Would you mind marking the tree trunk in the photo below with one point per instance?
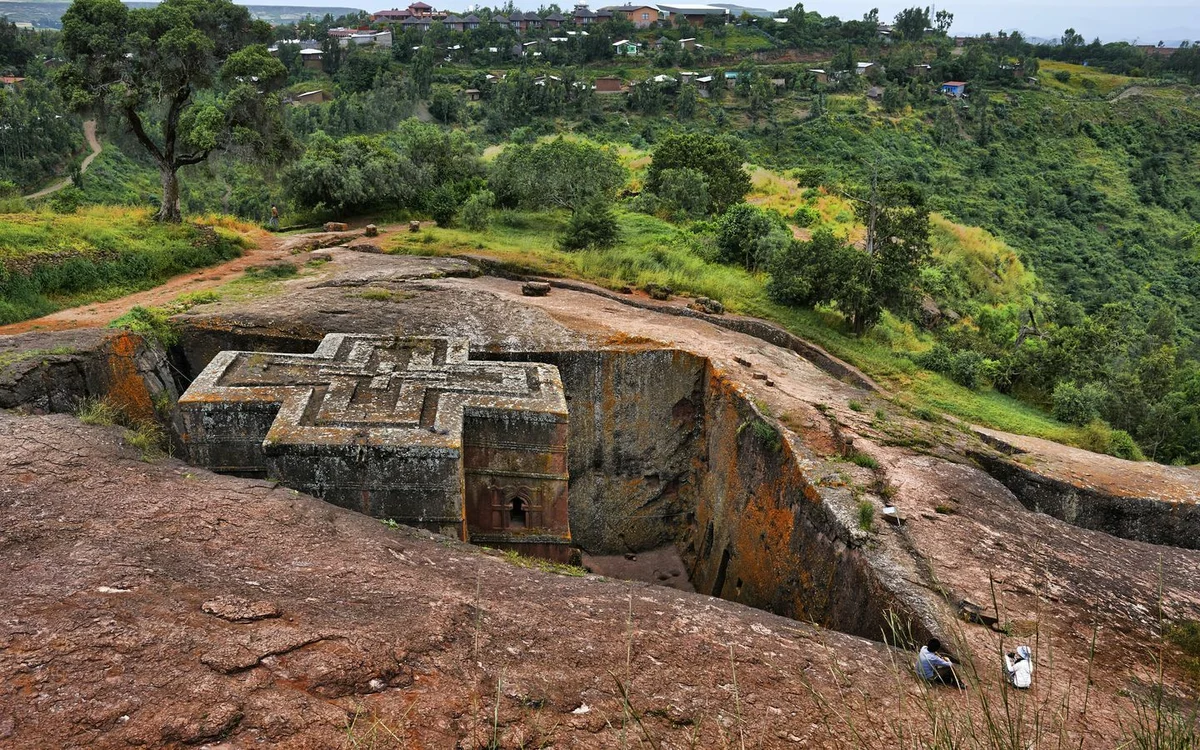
(169, 211)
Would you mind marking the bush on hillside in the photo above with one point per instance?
(593, 227)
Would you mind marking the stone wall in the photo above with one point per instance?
(54, 372)
(635, 420)
(763, 536)
(1143, 519)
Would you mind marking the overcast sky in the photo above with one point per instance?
(1149, 22)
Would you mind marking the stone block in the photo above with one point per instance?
(535, 288)
(336, 226)
(371, 230)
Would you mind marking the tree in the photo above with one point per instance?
(716, 157)
(683, 193)
(911, 23)
(750, 236)
(943, 20)
(685, 103)
(188, 76)
(865, 281)
(421, 71)
(445, 105)
(477, 211)
(557, 174)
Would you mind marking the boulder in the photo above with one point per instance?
(535, 288)
(336, 226)
(707, 305)
(658, 291)
(929, 312)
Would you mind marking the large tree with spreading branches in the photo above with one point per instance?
(188, 77)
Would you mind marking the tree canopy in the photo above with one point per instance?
(189, 77)
(716, 157)
(562, 173)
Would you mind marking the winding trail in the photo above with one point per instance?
(89, 132)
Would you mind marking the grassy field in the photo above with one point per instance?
(1084, 79)
(50, 261)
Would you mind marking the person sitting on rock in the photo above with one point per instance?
(1019, 665)
(933, 667)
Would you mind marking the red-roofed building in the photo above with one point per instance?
(390, 16)
(11, 83)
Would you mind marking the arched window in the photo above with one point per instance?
(516, 517)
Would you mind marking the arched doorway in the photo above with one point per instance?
(517, 513)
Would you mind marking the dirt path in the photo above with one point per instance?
(89, 132)
(268, 248)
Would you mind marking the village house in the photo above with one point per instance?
(957, 89)
(626, 48)
(819, 74)
(688, 43)
(421, 9)
(471, 22)
(704, 86)
(310, 57)
(453, 22)
(316, 96)
(367, 39)
(863, 68)
(687, 76)
(694, 14)
(582, 15)
(11, 83)
(389, 16)
(554, 20)
(420, 23)
(642, 16)
(473, 95)
(608, 85)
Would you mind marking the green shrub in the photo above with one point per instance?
(863, 460)
(443, 205)
(1122, 445)
(594, 227)
(1062, 76)
(866, 515)
(477, 210)
(150, 323)
(1076, 405)
(283, 270)
(67, 201)
(805, 216)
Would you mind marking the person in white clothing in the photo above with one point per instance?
(1019, 665)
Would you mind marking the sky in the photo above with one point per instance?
(1129, 20)
(1111, 20)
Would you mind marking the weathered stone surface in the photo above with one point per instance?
(240, 609)
(405, 428)
(535, 288)
(371, 230)
(336, 226)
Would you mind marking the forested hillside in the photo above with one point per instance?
(1026, 254)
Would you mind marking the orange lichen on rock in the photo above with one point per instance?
(127, 390)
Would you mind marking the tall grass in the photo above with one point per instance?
(50, 261)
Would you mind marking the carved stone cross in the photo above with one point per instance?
(377, 423)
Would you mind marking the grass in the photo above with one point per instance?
(53, 261)
(866, 515)
(1100, 82)
(147, 437)
(546, 566)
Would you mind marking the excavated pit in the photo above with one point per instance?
(665, 454)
